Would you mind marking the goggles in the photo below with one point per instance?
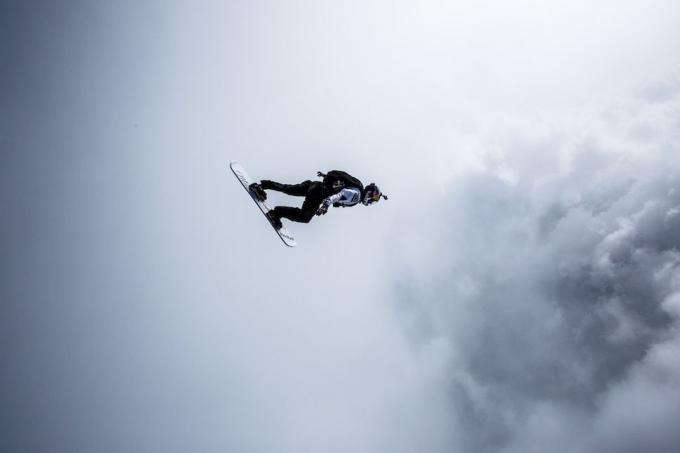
(371, 197)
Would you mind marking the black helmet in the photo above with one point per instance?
(372, 194)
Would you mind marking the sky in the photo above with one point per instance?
(518, 292)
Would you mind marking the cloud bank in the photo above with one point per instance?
(554, 303)
(537, 229)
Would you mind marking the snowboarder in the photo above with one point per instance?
(338, 189)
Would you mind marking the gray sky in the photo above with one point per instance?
(519, 292)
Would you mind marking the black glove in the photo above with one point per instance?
(320, 174)
(322, 209)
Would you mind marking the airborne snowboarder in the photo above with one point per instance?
(338, 189)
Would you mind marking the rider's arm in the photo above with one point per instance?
(333, 198)
(350, 196)
(327, 202)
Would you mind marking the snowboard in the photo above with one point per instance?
(246, 181)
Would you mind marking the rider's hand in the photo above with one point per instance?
(322, 209)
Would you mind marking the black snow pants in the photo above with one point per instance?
(313, 191)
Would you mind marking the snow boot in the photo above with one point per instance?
(257, 191)
(274, 219)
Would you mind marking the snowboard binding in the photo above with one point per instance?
(257, 191)
(275, 221)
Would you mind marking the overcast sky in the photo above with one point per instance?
(519, 292)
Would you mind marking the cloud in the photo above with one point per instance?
(147, 305)
(558, 283)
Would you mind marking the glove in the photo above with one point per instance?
(320, 174)
(322, 209)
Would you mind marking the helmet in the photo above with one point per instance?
(372, 194)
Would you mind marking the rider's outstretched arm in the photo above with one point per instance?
(327, 203)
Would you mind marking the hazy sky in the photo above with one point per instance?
(519, 292)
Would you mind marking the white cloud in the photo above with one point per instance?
(556, 288)
(530, 231)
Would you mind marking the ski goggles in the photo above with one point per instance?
(371, 197)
